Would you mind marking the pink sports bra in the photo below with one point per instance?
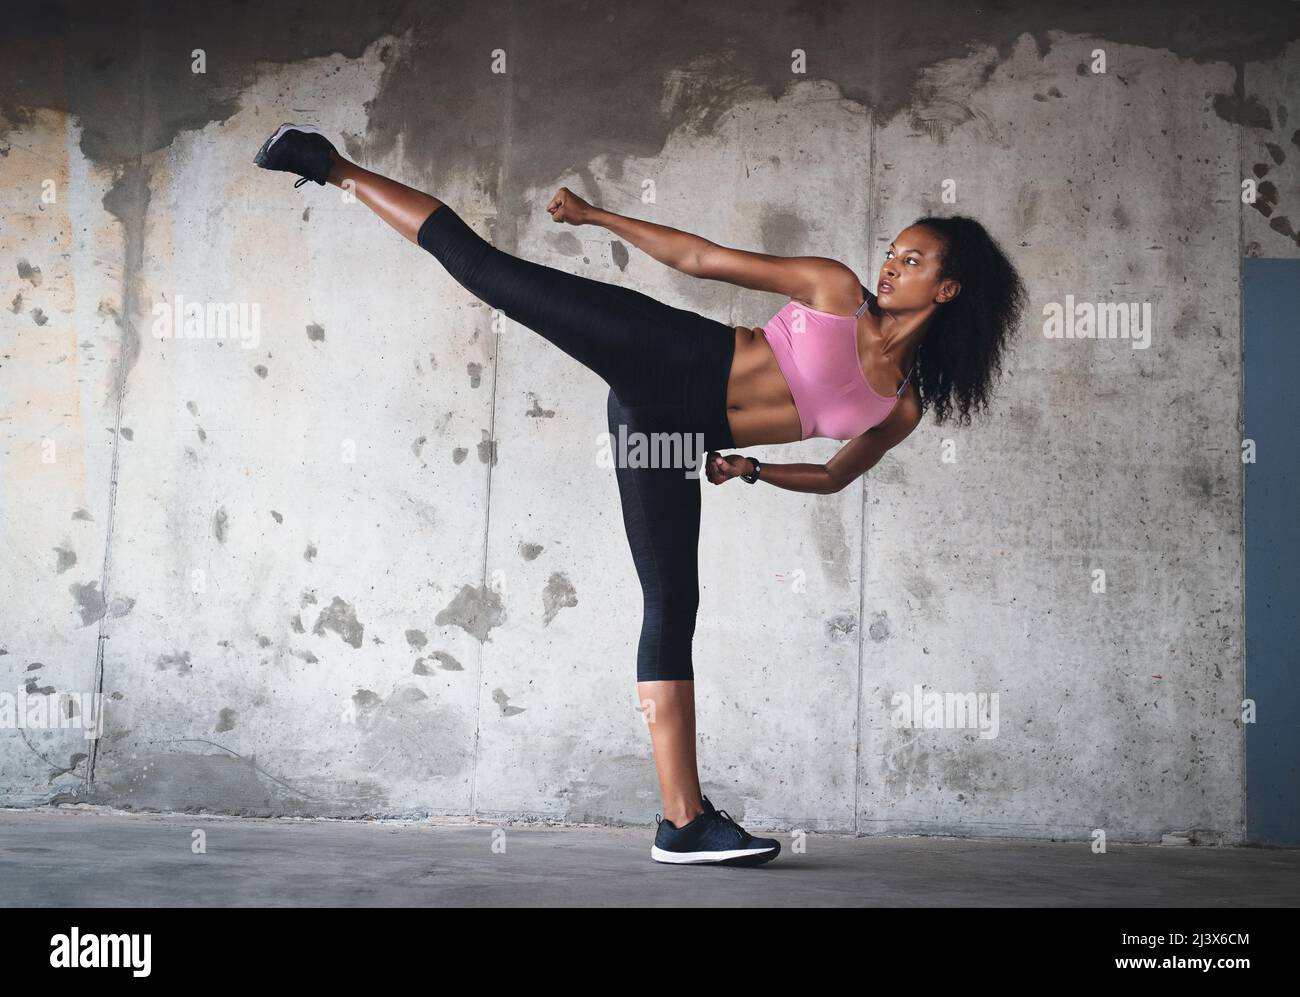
(818, 356)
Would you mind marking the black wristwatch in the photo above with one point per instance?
(751, 478)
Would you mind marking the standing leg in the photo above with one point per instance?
(643, 349)
(661, 514)
(670, 712)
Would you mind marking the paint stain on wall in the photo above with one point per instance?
(445, 661)
(178, 660)
(409, 737)
(89, 601)
(558, 593)
(29, 273)
(537, 412)
(564, 243)
(841, 626)
(879, 629)
(503, 701)
(341, 618)
(487, 450)
(475, 609)
(830, 540)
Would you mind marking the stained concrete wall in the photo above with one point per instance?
(374, 564)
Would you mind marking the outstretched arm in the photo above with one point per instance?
(804, 278)
(670, 246)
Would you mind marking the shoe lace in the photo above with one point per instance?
(723, 815)
(301, 182)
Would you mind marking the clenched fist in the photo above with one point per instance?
(722, 469)
(566, 206)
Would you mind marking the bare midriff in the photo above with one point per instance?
(760, 408)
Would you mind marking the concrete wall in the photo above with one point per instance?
(374, 565)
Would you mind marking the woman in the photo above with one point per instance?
(836, 362)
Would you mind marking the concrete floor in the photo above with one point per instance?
(91, 856)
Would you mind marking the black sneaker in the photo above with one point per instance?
(297, 149)
(712, 838)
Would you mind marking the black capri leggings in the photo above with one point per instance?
(667, 371)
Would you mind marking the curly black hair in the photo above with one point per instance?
(968, 336)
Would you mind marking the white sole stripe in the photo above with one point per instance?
(292, 128)
(686, 858)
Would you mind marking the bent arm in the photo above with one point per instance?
(812, 478)
(852, 460)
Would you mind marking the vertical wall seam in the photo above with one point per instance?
(106, 569)
(1241, 432)
(505, 237)
(863, 520)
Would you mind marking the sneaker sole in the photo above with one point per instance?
(260, 158)
(743, 856)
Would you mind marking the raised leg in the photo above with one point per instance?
(638, 345)
(402, 207)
